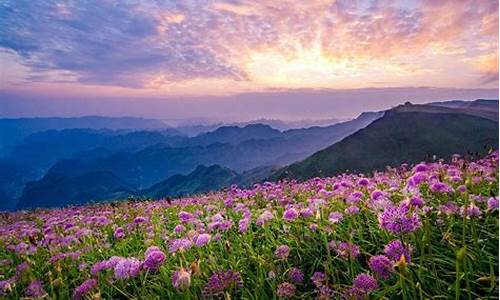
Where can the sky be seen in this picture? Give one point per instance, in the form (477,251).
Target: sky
(242,59)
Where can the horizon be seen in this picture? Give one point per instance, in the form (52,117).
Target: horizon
(240,60)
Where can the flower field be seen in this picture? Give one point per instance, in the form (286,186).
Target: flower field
(428,231)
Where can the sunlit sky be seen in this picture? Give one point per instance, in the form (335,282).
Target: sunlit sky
(193,48)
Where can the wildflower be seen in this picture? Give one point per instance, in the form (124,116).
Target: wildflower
(181,279)
(318,278)
(282,252)
(395,249)
(185,217)
(264,218)
(449,208)
(376,194)
(179,229)
(461,189)
(324,293)
(221,282)
(35,289)
(313,227)
(399,219)
(345,249)
(84,289)
(352,210)
(290,214)
(119,233)
(493,204)
(180,245)
(243,225)
(420,168)
(440,187)
(285,290)
(127,268)
(306,212)
(381,265)
(295,275)
(363,181)
(471,211)
(154,258)
(202,239)
(365,283)
(140,220)
(335,217)
(417,201)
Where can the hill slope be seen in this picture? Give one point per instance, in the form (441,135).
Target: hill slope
(401,135)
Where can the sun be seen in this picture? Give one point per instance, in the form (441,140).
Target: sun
(299,66)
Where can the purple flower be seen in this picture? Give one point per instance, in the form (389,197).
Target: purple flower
(345,249)
(139,220)
(265,217)
(381,265)
(420,168)
(449,208)
(365,283)
(119,233)
(417,201)
(376,194)
(290,214)
(154,258)
(335,217)
(185,217)
(221,282)
(203,239)
(295,275)
(285,290)
(440,187)
(282,252)
(395,249)
(306,212)
(472,211)
(181,279)
(493,204)
(243,225)
(399,219)
(318,278)
(127,268)
(462,188)
(179,245)
(35,289)
(179,229)
(84,289)
(352,210)
(363,181)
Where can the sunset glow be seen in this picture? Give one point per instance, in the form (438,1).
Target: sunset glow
(226,47)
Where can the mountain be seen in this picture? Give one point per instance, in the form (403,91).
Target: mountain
(239,149)
(407,133)
(13,177)
(234,135)
(14,130)
(202,179)
(56,190)
(42,149)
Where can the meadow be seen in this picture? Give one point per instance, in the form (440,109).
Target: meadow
(428,231)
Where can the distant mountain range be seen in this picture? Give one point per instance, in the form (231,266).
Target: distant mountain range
(407,133)
(140,159)
(66,166)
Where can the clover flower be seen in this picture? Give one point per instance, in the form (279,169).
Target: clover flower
(285,290)
(399,219)
(221,282)
(381,265)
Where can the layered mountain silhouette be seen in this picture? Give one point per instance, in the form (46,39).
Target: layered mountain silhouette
(72,166)
(407,133)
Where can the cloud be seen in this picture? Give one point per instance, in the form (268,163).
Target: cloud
(258,43)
